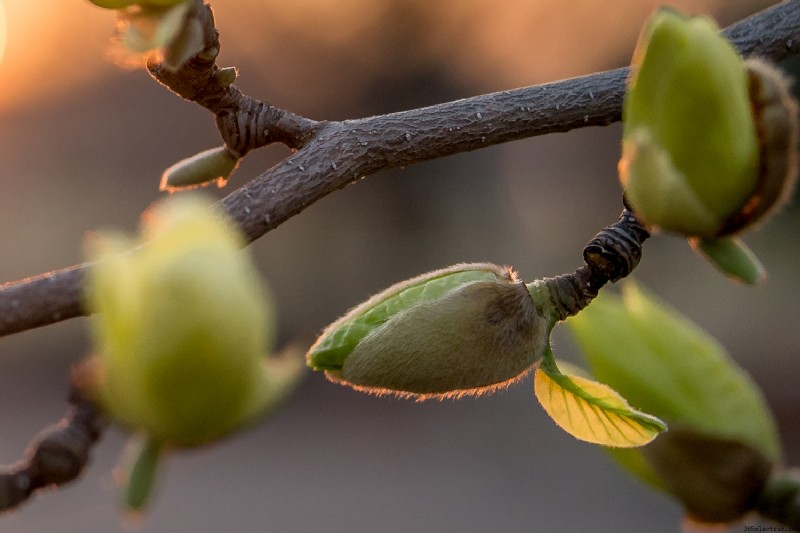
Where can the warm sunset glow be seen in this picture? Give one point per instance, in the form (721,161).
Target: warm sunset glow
(2,30)
(55,48)
(42,44)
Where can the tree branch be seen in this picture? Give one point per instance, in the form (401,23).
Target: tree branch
(57,455)
(335,154)
(243,122)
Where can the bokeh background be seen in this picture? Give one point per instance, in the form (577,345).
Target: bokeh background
(83,141)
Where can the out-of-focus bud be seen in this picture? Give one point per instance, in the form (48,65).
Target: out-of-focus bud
(709,141)
(181,329)
(461,330)
(723,444)
(164,25)
(181,326)
(211,166)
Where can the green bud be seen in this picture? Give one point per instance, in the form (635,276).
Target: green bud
(211,166)
(690,152)
(226,76)
(181,326)
(466,329)
(471,329)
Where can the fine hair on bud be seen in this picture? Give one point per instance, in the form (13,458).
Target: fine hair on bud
(474,339)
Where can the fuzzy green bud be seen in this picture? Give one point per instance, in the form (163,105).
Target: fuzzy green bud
(466,329)
(181,326)
(690,146)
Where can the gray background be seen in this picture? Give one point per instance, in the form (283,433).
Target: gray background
(82,146)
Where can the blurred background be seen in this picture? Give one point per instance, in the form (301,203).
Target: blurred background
(83,142)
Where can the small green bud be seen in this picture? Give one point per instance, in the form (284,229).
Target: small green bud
(211,166)
(226,76)
(690,147)
(181,326)
(466,329)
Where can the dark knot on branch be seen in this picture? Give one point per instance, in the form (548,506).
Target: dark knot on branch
(610,256)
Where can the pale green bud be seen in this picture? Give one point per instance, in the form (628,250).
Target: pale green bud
(181,326)
(690,147)
(466,329)
(211,166)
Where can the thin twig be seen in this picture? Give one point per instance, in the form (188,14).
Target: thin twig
(243,122)
(57,455)
(339,153)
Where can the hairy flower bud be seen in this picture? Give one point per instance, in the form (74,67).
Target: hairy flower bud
(710,141)
(471,329)
(466,329)
(690,147)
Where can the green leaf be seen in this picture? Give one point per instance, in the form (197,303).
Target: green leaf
(591,411)
(668,366)
(732,257)
(143,455)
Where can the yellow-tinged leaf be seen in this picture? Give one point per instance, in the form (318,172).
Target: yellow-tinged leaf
(593,412)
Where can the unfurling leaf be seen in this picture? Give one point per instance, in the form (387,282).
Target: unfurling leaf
(732,257)
(141,458)
(591,411)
